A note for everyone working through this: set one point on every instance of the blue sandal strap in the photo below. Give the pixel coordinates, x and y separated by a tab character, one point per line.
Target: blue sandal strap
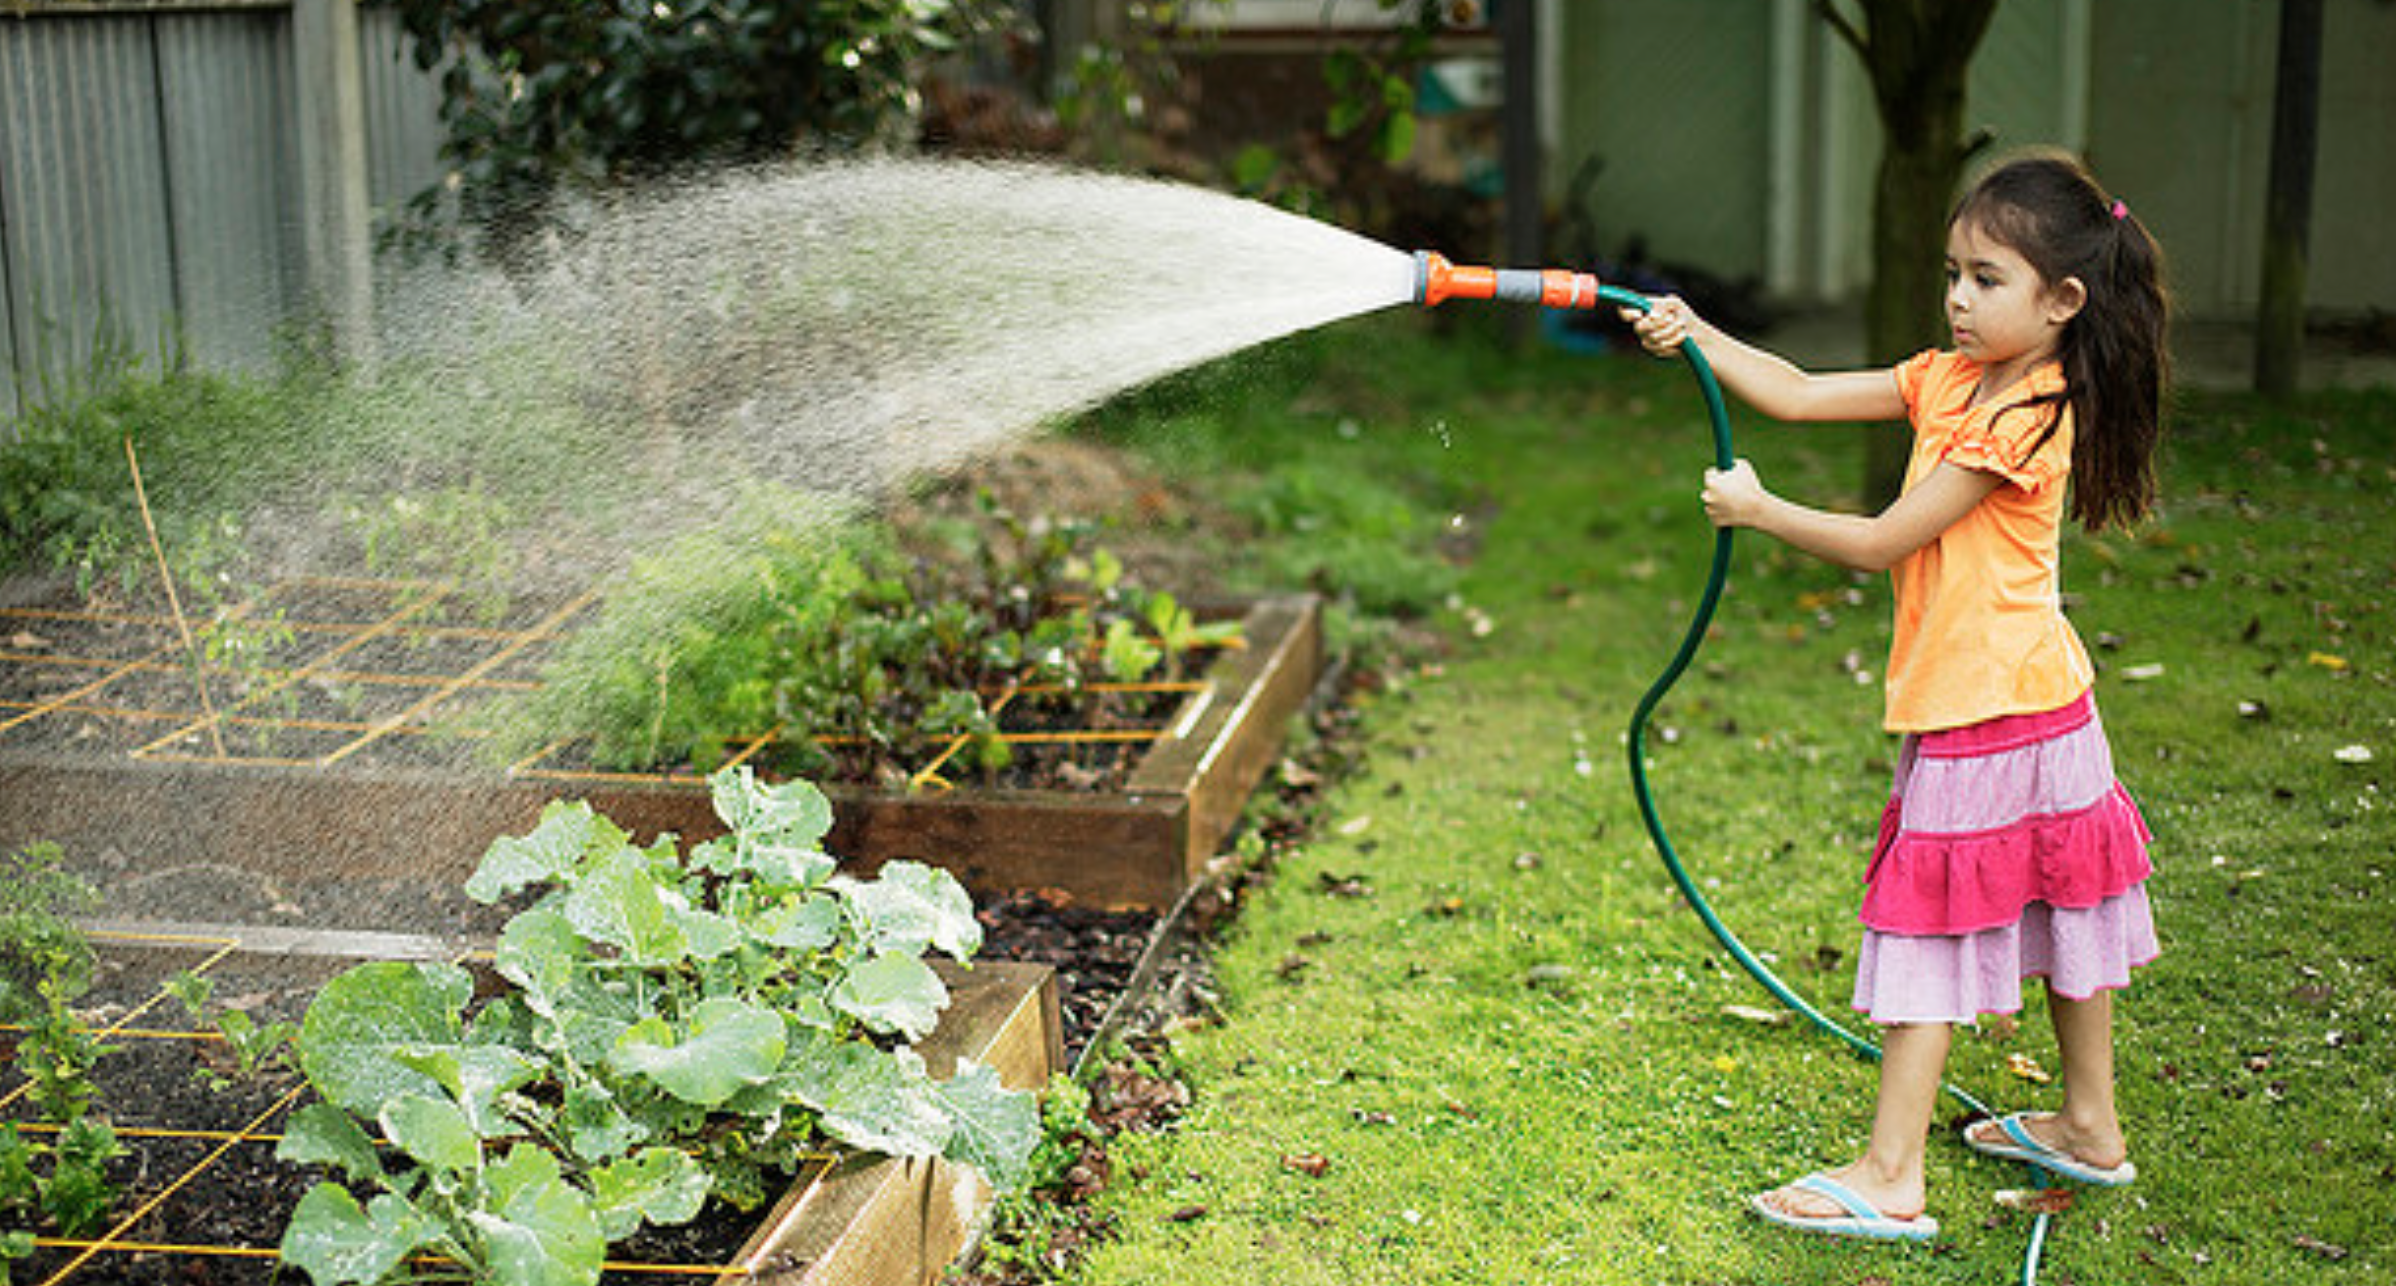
1848	1199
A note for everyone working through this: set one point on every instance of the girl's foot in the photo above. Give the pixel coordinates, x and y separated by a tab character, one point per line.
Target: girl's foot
1896	1200
1821	1203
2055	1144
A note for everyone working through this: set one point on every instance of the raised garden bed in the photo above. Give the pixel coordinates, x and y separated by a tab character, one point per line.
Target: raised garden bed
345	764
206	1201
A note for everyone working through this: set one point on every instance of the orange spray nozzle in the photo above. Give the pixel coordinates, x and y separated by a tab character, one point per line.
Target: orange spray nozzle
1436	280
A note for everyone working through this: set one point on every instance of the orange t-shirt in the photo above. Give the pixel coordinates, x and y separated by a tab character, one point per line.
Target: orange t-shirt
1980	631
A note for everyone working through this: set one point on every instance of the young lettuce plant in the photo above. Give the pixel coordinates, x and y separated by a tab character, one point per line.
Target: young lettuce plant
671	1028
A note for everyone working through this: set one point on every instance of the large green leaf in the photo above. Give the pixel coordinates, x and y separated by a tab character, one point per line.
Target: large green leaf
809	923
544	856
540	951
617	902
596	1125
731	1043
322	1134
362	1019
864	1097
433	1131
910	907
893	992
475	1076
336	1241
792	814
537	1229
996	1128
658	1185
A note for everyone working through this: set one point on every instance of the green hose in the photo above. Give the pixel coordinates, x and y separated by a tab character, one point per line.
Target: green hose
1699	621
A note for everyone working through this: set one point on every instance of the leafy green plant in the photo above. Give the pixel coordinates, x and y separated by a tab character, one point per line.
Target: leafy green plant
75	1195
45	963
255	1045
888	653
669	1028
559	94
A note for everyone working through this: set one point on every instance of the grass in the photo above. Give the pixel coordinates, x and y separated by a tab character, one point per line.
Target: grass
1475	997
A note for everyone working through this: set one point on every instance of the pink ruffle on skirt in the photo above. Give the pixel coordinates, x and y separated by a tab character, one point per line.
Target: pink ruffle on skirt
1985	820
2007	851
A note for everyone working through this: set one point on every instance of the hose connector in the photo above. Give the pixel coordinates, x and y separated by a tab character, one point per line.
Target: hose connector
1436	280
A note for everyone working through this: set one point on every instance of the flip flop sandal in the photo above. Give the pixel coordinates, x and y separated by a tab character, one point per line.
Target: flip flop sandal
2018	1144
1861	1220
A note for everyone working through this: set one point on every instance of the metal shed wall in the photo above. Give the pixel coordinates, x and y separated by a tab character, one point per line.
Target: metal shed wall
150	182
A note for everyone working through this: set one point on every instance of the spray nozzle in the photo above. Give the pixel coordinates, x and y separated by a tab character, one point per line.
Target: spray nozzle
1436	280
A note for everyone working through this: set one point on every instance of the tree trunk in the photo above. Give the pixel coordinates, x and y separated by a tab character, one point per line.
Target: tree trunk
1918	53
2288	213
1903	314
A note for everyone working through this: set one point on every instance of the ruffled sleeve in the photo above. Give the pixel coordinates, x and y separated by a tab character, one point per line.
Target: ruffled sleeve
2004	440
1912	374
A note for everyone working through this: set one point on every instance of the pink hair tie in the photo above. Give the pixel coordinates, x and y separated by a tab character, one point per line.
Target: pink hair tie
2121	211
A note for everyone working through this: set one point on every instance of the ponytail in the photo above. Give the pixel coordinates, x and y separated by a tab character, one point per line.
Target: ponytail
2116	365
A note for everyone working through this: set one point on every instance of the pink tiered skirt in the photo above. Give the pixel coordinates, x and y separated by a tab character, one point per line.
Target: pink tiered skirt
2007	851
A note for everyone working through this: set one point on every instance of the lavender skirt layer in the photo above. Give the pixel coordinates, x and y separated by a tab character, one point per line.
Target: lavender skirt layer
2007	851
1953	978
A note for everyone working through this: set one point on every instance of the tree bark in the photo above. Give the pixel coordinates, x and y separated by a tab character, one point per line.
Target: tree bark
2288	212
1918	54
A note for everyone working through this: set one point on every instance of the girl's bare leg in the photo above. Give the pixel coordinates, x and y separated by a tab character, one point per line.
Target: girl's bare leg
1913	1058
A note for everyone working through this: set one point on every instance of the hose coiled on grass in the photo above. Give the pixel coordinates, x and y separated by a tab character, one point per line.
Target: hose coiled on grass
1699	621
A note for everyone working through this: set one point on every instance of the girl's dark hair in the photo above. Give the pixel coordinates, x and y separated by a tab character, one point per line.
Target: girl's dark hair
2049	209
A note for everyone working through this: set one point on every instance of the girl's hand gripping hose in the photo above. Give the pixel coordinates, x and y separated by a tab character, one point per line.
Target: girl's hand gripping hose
1437	280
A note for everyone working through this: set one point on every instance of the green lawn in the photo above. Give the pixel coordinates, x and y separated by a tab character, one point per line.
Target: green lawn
1476	997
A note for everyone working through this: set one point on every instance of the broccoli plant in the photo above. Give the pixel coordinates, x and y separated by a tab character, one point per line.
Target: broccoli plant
668	1028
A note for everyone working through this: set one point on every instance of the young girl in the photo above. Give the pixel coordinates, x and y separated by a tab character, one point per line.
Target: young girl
2007	849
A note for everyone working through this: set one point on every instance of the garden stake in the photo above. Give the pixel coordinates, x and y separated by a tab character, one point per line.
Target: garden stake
1436	280
199	669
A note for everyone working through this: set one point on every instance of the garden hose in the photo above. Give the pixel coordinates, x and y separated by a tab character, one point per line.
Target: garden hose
1436	280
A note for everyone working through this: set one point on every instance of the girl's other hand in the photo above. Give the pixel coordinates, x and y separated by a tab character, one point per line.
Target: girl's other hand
1661	328
1733	495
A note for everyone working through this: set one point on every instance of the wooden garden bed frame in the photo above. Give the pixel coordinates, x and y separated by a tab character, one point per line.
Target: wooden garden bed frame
1141	846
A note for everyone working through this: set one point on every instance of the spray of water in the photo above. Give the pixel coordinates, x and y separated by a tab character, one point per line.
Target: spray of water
841	327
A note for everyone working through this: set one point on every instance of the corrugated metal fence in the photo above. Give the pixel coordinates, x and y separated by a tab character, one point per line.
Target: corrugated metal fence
150	175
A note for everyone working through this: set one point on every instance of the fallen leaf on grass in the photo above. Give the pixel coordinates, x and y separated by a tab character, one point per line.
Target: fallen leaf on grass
25	641
2027	1068
1355	826
1767	1017
1311	1164
1187	1214
1547	975
1298	776
2327	661
2327	1250
2038	1201
1344	886
2356	754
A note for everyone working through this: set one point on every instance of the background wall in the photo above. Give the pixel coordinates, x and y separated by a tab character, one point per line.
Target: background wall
1741	136
151	175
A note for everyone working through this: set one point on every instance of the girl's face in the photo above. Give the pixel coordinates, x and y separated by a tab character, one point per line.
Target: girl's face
2002	312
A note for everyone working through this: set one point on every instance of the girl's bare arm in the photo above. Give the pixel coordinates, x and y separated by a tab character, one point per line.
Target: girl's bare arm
1766	381
1736	498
